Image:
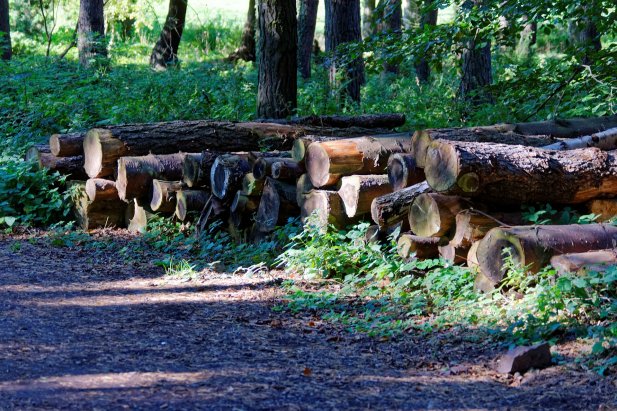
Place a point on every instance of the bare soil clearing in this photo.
(83, 329)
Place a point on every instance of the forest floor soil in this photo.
(85, 328)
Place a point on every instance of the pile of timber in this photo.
(454, 194)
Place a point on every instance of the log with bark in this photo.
(434, 215)
(135, 174)
(531, 247)
(506, 174)
(454, 254)
(163, 198)
(104, 210)
(72, 167)
(472, 258)
(560, 128)
(190, 201)
(582, 263)
(422, 139)
(472, 225)
(605, 209)
(251, 186)
(387, 121)
(403, 172)
(277, 205)
(67, 145)
(604, 140)
(196, 169)
(287, 170)
(411, 246)
(392, 208)
(301, 144)
(227, 174)
(327, 208)
(103, 147)
(358, 192)
(328, 161)
(262, 168)
(242, 209)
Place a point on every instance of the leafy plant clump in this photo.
(378, 293)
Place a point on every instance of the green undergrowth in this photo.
(368, 288)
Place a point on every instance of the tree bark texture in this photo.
(165, 51)
(277, 92)
(393, 208)
(91, 42)
(368, 18)
(287, 170)
(427, 18)
(604, 140)
(476, 66)
(247, 50)
(73, 167)
(506, 174)
(307, 20)
(531, 247)
(6, 50)
(101, 190)
(67, 145)
(343, 26)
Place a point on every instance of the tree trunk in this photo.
(91, 41)
(227, 174)
(368, 18)
(165, 50)
(394, 207)
(422, 139)
(135, 174)
(604, 140)
(403, 172)
(392, 24)
(328, 208)
(277, 92)
(343, 26)
(531, 247)
(67, 145)
(527, 40)
(277, 205)
(190, 201)
(6, 50)
(520, 175)
(411, 246)
(583, 263)
(196, 169)
(104, 210)
(434, 215)
(103, 147)
(328, 161)
(72, 167)
(247, 50)
(476, 67)
(358, 192)
(584, 33)
(306, 33)
(428, 18)
(163, 198)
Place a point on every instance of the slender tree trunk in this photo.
(247, 50)
(277, 93)
(476, 70)
(584, 34)
(91, 31)
(165, 51)
(5, 31)
(427, 18)
(393, 23)
(306, 33)
(368, 20)
(343, 26)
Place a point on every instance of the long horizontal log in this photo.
(390, 120)
(135, 174)
(287, 170)
(422, 139)
(100, 189)
(560, 128)
(531, 247)
(300, 145)
(581, 263)
(327, 162)
(358, 192)
(434, 215)
(403, 171)
(472, 225)
(392, 208)
(103, 147)
(604, 140)
(196, 169)
(67, 145)
(506, 174)
(227, 174)
(72, 167)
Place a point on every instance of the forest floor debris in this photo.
(91, 326)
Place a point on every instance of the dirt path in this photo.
(79, 331)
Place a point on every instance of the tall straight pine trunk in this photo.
(91, 42)
(277, 93)
(247, 50)
(392, 23)
(307, 20)
(165, 50)
(343, 26)
(5, 31)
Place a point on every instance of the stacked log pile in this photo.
(449, 193)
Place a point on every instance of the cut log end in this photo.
(190, 170)
(101, 189)
(93, 154)
(319, 165)
(441, 167)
